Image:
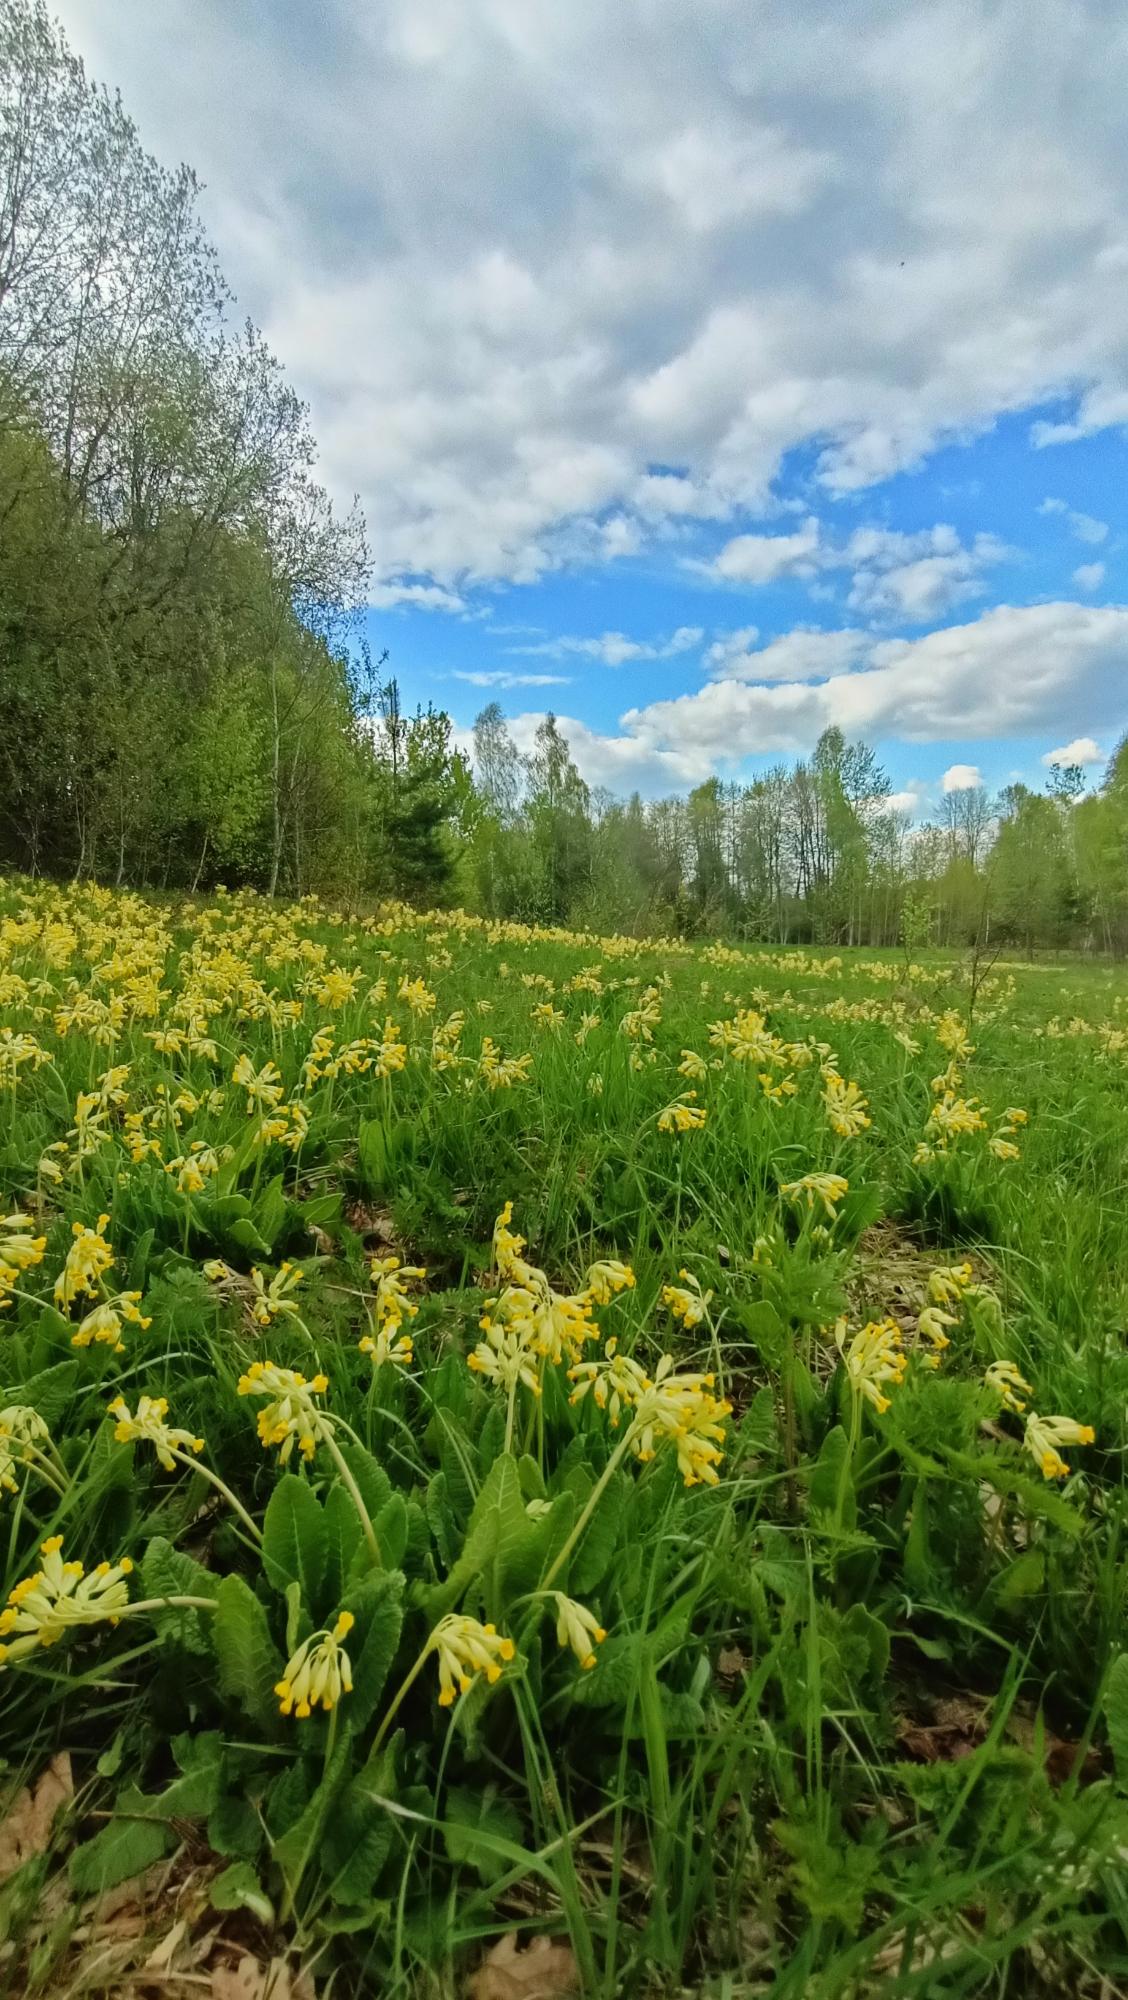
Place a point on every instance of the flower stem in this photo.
(357, 1499)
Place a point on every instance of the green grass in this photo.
(859, 1723)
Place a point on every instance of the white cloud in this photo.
(421, 596)
(1013, 671)
(497, 679)
(800, 655)
(1081, 751)
(598, 248)
(614, 649)
(760, 559)
(916, 578)
(1089, 576)
(1085, 526)
(961, 778)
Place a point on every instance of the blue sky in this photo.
(707, 373)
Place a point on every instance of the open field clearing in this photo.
(518, 1440)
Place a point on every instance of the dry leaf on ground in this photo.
(25, 1829)
(545, 1970)
(250, 1980)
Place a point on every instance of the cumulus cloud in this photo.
(803, 654)
(1089, 576)
(609, 265)
(1081, 751)
(1013, 671)
(961, 778)
(759, 559)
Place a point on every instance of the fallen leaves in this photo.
(545, 1970)
(25, 1829)
(248, 1979)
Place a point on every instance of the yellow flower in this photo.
(682, 1115)
(418, 996)
(466, 1649)
(846, 1108)
(508, 1354)
(274, 1301)
(319, 1672)
(873, 1356)
(502, 1072)
(687, 1302)
(17, 1244)
(681, 1409)
(1003, 1377)
(59, 1596)
(1044, 1434)
(947, 1284)
(827, 1188)
(22, 1430)
(578, 1628)
(148, 1424)
(88, 1257)
(931, 1321)
(263, 1087)
(693, 1066)
(291, 1416)
(103, 1325)
(606, 1277)
(392, 1302)
(614, 1382)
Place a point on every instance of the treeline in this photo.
(814, 851)
(184, 692)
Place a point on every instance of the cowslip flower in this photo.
(825, 1188)
(18, 1247)
(318, 1672)
(465, 1648)
(931, 1322)
(103, 1325)
(22, 1430)
(614, 1382)
(687, 1301)
(693, 1066)
(291, 1416)
(263, 1087)
(578, 1628)
(59, 1596)
(607, 1277)
(872, 1357)
(846, 1108)
(392, 1302)
(88, 1257)
(147, 1424)
(947, 1285)
(1042, 1437)
(1003, 1377)
(508, 1354)
(680, 1409)
(683, 1115)
(275, 1301)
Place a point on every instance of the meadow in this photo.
(540, 1463)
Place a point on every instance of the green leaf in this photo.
(342, 1540)
(295, 1540)
(234, 1828)
(270, 1212)
(1116, 1714)
(481, 1830)
(125, 1847)
(239, 1888)
(1022, 1578)
(246, 1237)
(322, 1212)
(498, 1530)
(249, 1663)
(372, 1481)
(50, 1392)
(830, 1479)
(168, 1572)
(377, 1607)
(294, 1849)
(357, 1843)
(766, 1330)
(391, 1531)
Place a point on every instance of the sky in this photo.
(709, 373)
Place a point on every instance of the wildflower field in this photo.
(536, 1463)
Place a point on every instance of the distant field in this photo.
(713, 1562)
